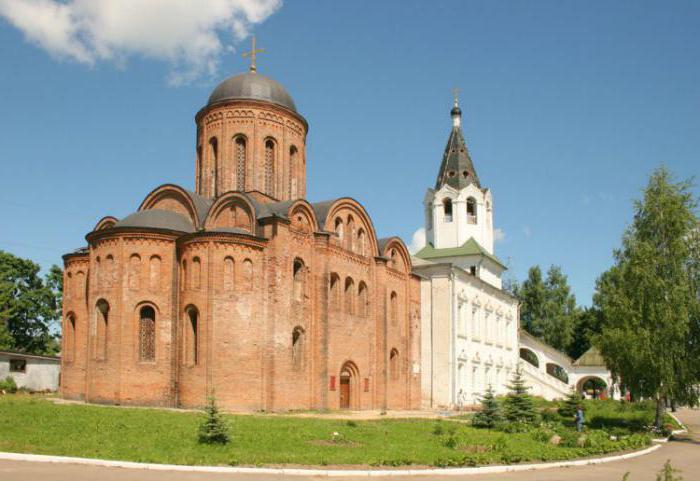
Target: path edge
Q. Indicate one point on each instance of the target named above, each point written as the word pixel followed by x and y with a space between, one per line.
pixel 41 458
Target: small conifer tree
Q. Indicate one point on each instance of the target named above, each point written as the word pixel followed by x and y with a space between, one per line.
pixel 213 429
pixel 490 413
pixel 572 401
pixel 518 406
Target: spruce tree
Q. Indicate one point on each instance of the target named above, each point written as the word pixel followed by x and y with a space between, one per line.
pixel 213 429
pixel 490 413
pixel 519 406
pixel 572 401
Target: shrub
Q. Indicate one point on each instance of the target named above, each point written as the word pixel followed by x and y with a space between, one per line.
pixel 213 429
pixel 568 408
pixel 8 385
pixel 438 430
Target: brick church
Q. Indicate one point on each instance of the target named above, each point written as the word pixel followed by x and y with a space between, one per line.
pixel 243 288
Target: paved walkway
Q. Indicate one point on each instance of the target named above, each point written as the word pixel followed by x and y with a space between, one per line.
pixel 684 455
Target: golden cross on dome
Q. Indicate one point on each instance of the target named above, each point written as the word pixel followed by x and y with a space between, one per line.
pixel 455 93
pixel 252 54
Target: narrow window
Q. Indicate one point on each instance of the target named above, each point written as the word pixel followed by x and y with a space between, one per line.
pixel 70 339
pixel 109 271
pixel 196 273
pixel 447 208
pixel 349 296
pixel 472 270
pixel 214 163
pixel 471 210
pixel 183 276
pixel 229 272
pixel 248 274
pixel 394 365
pixel 299 274
pixel 361 242
pixel 339 229
pixel 394 308
pixel 240 153
pixel 154 273
pixel 192 336
pixel 270 167
pixel 101 329
pixel 147 334
pixel 18 365
pixel 363 300
pixel 335 291
pixel 351 235
pixel 297 346
pixel 293 172
pixel 134 271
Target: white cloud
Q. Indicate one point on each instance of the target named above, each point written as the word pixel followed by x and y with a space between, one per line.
pixel 184 33
pixel 499 235
pixel 417 240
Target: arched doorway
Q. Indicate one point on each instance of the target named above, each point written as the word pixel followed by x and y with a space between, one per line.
pixel 349 376
pixel 592 387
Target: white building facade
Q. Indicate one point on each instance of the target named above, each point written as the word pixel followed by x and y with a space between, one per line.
pixel 470 333
pixel 469 330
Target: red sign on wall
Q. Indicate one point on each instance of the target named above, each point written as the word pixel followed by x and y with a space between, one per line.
pixel 366 384
pixel 332 383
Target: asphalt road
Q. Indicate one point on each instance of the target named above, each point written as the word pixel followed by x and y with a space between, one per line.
pixel 684 454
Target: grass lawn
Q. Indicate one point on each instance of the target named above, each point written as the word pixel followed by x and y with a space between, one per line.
pixel 29 424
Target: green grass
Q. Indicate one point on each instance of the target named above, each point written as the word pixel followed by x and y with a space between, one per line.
pixel 32 425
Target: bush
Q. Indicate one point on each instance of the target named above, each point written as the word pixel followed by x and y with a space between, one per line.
pixel 519 407
pixel 213 429
pixel 490 414
pixel 8 385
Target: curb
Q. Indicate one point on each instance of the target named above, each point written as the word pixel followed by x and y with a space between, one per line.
pixel 40 458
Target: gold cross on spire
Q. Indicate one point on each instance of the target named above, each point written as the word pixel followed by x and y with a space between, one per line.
pixel 252 54
pixel 455 93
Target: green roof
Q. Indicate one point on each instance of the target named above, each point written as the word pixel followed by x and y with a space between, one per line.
pixel 469 248
pixel 592 357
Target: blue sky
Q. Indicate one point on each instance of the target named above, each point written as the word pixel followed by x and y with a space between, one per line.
pixel 568 106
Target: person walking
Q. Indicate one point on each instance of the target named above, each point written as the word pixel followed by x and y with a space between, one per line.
pixel 579 418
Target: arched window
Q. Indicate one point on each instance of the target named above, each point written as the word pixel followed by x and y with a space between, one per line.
pixel 293 172
pixel 79 284
pixel 134 271
pixel 200 169
pixel 109 271
pixel 196 273
pixel 363 300
pixel 529 356
pixel 334 300
pixel 147 334
pixel 247 274
pixel 339 229
pixel 191 336
pixel 97 278
pixel 394 307
pixel 351 234
pixel 297 345
pixel 240 153
pixel 270 167
pixel 69 338
pixel 183 276
pixel 394 365
pixel 361 242
pixel 558 372
pixel 154 273
pixel 101 329
pixel 349 296
pixel 447 209
pixel 229 273
pixel 299 273
pixel 471 210
pixel 214 164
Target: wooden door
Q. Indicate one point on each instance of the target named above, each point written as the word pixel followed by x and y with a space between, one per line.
pixel 344 392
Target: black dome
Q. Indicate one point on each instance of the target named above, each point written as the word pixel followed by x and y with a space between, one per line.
pixel 252 86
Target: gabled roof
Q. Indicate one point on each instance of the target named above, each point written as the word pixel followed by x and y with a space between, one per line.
pixel 456 169
pixel 592 357
pixel 469 248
